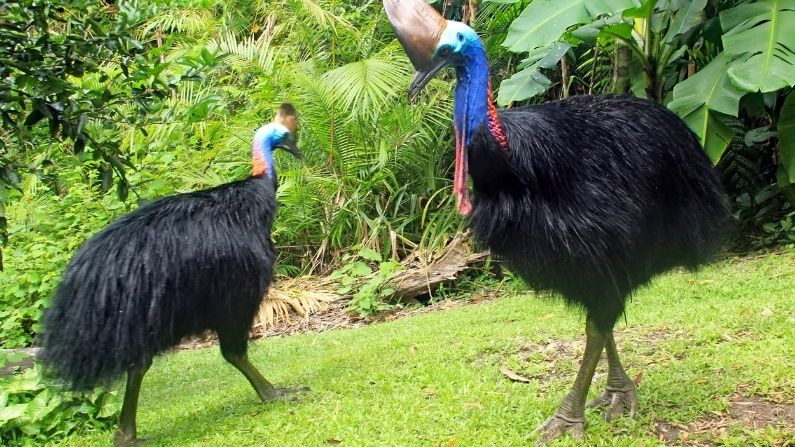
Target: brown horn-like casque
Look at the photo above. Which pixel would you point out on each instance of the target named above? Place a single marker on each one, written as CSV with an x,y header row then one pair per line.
x,y
418,27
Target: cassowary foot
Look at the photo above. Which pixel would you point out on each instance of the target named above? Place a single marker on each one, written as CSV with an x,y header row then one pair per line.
x,y
557,426
122,439
286,394
617,401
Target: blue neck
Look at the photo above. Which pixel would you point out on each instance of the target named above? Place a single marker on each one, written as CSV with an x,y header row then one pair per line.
x,y
262,151
472,93
268,151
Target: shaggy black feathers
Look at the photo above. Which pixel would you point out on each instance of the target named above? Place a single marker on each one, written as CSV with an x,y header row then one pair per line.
x,y
173,268
596,195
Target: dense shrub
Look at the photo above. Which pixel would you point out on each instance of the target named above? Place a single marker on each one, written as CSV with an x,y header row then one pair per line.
x,y
33,411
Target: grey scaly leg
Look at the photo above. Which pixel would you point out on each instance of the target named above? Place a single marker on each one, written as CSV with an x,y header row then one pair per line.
x,y
126,435
570,416
620,390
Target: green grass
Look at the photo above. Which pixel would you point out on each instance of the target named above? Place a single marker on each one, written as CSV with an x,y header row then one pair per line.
x,y
434,379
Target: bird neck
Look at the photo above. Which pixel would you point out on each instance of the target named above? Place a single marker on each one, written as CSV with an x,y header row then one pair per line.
x,y
262,155
474,101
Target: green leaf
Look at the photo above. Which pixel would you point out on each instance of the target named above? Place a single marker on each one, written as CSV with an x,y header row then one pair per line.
x,y
122,190
530,81
108,405
42,405
696,100
361,269
370,254
362,88
760,42
12,412
714,134
341,272
758,135
686,19
710,86
544,21
590,32
786,137
642,11
24,383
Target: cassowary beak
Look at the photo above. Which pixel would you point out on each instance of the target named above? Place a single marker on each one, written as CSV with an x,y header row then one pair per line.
x,y
290,147
422,77
418,27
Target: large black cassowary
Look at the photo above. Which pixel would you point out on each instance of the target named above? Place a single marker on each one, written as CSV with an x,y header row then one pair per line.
x,y
176,267
590,196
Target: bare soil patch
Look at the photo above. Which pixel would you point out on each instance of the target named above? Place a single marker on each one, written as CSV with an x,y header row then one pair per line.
x,y
752,412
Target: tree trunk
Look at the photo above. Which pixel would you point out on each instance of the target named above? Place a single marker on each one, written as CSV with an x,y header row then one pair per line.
x,y
621,79
593,68
473,12
564,75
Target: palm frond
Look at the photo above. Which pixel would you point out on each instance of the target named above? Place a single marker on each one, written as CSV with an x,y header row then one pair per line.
x,y
247,49
362,88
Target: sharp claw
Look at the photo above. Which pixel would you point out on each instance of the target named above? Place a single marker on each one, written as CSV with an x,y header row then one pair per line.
x,y
556,426
617,402
601,401
633,404
578,432
285,391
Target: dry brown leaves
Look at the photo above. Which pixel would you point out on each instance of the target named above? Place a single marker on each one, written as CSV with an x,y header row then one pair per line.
x,y
749,411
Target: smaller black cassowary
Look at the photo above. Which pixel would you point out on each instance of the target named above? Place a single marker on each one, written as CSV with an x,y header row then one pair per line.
x,y
176,267
589,197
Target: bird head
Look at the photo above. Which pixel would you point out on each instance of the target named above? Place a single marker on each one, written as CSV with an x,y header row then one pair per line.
x,y
279,133
431,42
285,132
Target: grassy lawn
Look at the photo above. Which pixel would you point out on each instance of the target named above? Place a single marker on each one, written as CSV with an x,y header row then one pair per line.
x,y
714,350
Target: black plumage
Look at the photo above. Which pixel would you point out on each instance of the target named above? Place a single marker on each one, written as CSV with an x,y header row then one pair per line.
x,y
176,267
173,268
595,196
590,196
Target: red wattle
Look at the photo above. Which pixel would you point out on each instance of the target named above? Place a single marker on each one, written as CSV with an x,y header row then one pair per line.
x,y
460,177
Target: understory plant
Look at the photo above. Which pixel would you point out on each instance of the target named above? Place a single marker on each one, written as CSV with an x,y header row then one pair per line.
x,y
366,276
33,410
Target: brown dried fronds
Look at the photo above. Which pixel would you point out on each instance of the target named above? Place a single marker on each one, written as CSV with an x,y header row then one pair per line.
x,y
298,297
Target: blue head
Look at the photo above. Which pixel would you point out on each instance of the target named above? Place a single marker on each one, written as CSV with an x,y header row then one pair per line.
x,y
458,47
280,133
432,44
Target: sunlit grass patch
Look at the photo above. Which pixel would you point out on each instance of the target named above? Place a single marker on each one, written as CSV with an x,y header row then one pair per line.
x,y
699,343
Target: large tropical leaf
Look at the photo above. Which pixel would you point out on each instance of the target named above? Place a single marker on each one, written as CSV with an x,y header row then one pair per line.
x,y
698,98
689,15
530,81
760,39
545,21
786,137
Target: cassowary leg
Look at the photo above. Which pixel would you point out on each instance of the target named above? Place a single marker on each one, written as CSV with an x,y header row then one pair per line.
x,y
620,390
125,435
265,390
570,416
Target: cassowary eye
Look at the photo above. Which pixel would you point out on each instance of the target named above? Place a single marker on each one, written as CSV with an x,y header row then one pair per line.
x,y
444,51
460,37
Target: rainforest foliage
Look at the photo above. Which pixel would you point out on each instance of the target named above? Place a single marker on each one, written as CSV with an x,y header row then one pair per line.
x,y
107,105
